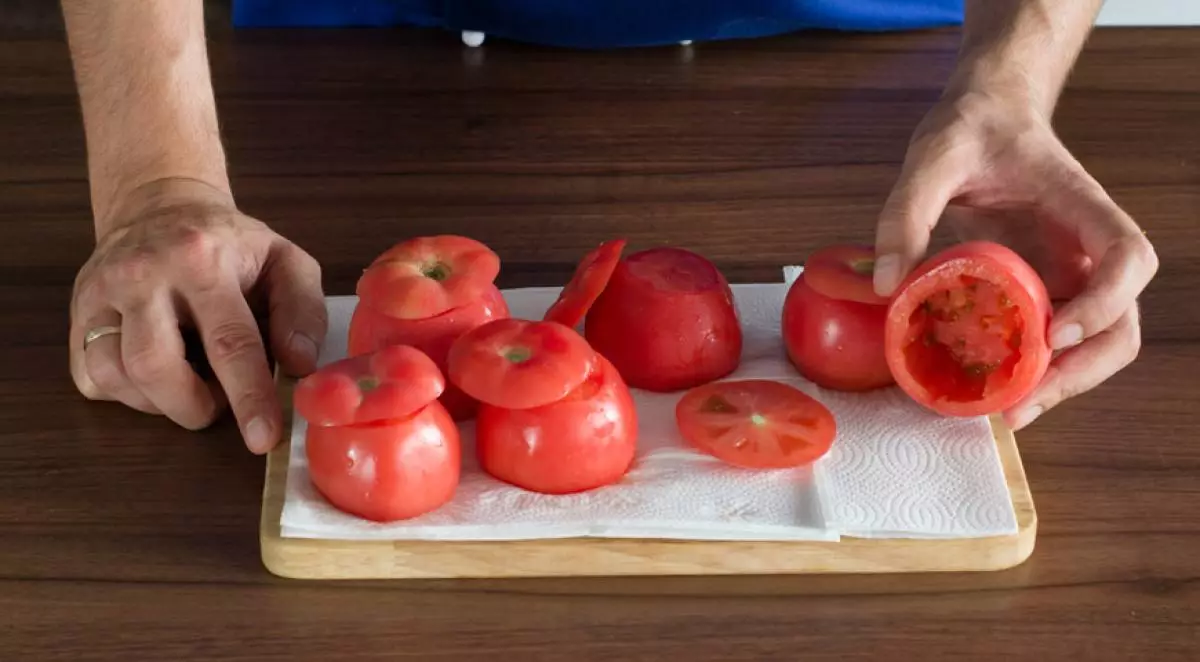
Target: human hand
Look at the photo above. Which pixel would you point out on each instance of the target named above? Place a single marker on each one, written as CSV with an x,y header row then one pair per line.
x,y
992,167
180,254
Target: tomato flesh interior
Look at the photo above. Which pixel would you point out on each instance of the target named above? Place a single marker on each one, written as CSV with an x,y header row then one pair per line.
x,y
964,338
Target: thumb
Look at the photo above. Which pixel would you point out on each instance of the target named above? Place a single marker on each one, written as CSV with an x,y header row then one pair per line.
x,y
908,217
298,319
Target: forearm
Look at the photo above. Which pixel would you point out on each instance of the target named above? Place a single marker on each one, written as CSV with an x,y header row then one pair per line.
x,y
146,96
1024,47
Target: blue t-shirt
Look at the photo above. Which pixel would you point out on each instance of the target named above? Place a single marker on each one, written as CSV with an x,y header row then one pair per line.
x,y
606,23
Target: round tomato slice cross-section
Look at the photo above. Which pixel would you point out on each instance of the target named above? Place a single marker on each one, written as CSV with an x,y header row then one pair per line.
x,y
390,383
591,276
428,276
966,331
756,423
519,364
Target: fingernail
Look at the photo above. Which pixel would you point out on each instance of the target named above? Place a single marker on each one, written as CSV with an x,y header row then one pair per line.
x,y
258,435
1066,336
1027,416
887,274
303,347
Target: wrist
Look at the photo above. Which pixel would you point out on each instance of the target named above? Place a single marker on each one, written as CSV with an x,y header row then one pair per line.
x,y
142,200
1003,81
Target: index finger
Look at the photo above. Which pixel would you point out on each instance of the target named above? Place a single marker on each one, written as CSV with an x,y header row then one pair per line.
x,y
1125,262
235,350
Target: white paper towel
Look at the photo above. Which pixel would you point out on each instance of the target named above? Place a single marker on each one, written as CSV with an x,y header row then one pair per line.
x,y
895,470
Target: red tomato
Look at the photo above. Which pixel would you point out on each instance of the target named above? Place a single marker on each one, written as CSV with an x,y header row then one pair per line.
x,y
667,321
371,329
390,383
428,276
518,364
387,470
588,282
581,442
833,321
756,423
966,332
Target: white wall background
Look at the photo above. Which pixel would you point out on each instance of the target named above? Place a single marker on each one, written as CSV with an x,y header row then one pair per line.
x,y
1149,12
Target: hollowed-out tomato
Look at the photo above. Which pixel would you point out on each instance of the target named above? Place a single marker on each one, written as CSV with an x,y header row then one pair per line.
x,y
666,320
371,330
580,442
387,470
833,322
966,332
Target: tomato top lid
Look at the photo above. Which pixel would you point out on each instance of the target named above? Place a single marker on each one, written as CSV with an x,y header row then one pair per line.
x,y
966,332
427,276
590,279
394,382
845,272
670,269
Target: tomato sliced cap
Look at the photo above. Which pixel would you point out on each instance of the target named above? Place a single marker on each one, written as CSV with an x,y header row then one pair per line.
x,y
390,383
585,286
966,332
756,423
844,272
427,276
519,364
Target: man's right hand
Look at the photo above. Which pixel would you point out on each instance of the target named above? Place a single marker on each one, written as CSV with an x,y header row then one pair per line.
x,y
180,254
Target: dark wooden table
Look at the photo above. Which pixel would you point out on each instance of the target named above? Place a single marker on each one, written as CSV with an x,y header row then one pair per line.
x,y
123,537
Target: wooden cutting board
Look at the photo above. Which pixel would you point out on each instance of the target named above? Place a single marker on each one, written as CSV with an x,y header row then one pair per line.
x,y
302,558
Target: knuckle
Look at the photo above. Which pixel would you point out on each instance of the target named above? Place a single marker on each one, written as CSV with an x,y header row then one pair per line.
x,y
233,342
133,269
1131,345
147,365
1144,254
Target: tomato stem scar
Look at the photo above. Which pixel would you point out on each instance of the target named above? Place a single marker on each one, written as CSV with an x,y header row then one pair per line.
x,y
758,419
518,354
437,271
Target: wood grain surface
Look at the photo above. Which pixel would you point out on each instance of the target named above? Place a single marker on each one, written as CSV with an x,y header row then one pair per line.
x,y
123,537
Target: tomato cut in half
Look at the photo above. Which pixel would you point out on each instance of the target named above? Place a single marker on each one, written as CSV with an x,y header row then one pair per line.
x,y
756,423
427,276
667,321
844,272
832,321
966,332
387,470
591,276
518,364
586,440
390,383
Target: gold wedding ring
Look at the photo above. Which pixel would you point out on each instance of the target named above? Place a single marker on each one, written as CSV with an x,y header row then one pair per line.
x,y
99,332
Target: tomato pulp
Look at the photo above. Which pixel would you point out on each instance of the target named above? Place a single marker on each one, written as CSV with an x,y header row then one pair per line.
x,y
966,332
427,276
387,470
583,441
589,280
370,329
519,364
390,383
756,423
666,320
833,322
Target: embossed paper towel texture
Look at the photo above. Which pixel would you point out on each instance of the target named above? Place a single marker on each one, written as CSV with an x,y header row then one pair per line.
x,y
883,477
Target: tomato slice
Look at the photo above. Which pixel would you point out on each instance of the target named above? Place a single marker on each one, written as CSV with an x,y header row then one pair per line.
x,y
428,276
519,364
844,272
390,383
756,423
966,332
589,280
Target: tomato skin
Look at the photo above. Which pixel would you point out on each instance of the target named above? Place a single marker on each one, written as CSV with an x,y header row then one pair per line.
x,y
835,342
925,368
756,423
582,442
589,280
519,364
426,276
389,470
667,321
392,382
371,329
